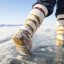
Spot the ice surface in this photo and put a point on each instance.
(44, 49)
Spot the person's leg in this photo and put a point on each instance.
(40, 10)
(60, 23)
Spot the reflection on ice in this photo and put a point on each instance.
(59, 55)
(45, 55)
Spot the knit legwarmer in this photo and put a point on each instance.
(35, 18)
(60, 30)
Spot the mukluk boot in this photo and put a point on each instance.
(60, 30)
(23, 39)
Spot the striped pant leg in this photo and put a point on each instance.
(60, 23)
(35, 18)
(33, 21)
(60, 30)
(41, 9)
